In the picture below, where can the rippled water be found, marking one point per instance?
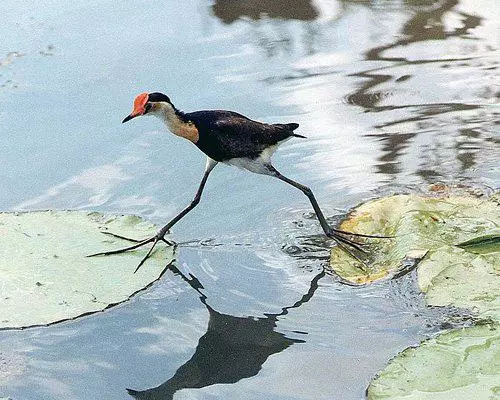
(392, 95)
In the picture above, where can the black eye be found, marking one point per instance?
(148, 107)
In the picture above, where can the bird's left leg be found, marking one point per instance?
(335, 234)
(160, 236)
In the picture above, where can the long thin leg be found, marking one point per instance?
(308, 192)
(208, 168)
(163, 231)
(329, 231)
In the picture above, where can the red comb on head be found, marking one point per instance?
(140, 104)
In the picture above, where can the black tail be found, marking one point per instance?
(291, 127)
(132, 392)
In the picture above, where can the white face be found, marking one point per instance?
(162, 110)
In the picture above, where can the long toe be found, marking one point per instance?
(361, 234)
(123, 250)
(349, 242)
(155, 242)
(122, 237)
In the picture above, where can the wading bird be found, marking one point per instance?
(233, 139)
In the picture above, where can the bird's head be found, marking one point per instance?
(149, 104)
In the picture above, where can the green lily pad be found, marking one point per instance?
(451, 276)
(419, 225)
(455, 242)
(46, 276)
(462, 364)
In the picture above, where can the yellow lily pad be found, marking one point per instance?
(46, 276)
(420, 225)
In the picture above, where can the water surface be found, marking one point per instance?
(392, 95)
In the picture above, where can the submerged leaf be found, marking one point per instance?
(461, 364)
(46, 276)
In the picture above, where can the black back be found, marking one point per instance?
(227, 134)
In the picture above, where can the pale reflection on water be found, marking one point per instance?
(392, 95)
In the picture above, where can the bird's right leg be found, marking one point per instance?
(336, 234)
(160, 236)
(168, 242)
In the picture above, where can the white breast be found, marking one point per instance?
(257, 165)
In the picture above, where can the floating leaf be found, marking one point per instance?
(418, 223)
(46, 276)
(451, 276)
(462, 364)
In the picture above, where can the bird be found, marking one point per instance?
(230, 138)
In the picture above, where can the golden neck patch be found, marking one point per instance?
(188, 131)
(178, 127)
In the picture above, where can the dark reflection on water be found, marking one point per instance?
(271, 35)
(233, 348)
(426, 24)
(230, 10)
(417, 83)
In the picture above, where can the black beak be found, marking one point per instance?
(129, 117)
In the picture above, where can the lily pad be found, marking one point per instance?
(419, 225)
(451, 276)
(462, 364)
(46, 276)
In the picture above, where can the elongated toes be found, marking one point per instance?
(133, 247)
(147, 255)
(121, 237)
(168, 242)
(104, 253)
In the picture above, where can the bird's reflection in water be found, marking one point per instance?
(233, 348)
